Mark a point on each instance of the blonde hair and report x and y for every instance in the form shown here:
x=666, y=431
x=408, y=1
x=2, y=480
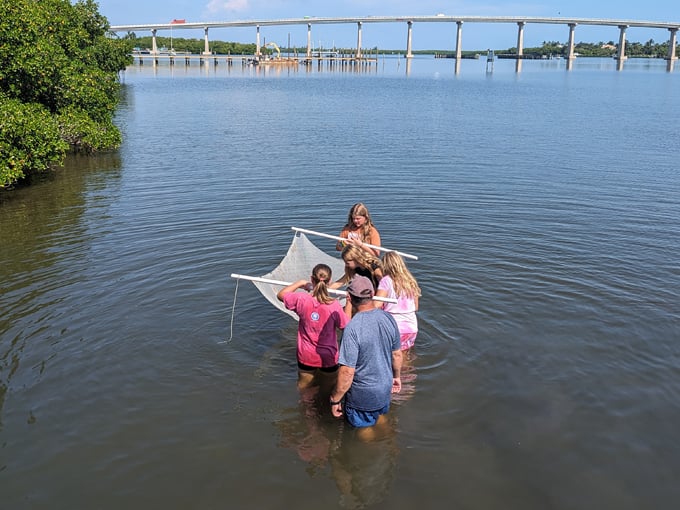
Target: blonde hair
x=364, y=259
x=404, y=282
x=360, y=209
x=321, y=278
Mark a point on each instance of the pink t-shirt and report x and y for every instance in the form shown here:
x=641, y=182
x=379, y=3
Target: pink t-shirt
x=317, y=341
x=404, y=312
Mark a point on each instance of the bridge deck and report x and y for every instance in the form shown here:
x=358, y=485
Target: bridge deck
x=397, y=19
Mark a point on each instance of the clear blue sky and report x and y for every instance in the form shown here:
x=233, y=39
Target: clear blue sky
x=476, y=36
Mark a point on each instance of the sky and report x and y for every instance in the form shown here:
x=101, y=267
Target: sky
x=475, y=36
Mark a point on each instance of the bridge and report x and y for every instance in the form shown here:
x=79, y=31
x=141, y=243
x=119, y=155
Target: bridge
x=521, y=22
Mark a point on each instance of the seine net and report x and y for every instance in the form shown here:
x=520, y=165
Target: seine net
x=298, y=263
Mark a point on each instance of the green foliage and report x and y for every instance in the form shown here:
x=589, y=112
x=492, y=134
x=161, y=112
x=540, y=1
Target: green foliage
x=83, y=134
x=61, y=57
x=30, y=139
x=601, y=49
x=194, y=45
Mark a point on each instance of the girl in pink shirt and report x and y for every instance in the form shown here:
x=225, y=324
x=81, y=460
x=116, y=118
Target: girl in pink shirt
x=398, y=283
x=320, y=317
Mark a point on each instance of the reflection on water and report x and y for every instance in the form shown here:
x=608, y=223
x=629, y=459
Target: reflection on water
x=408, y=378
x=308, y=431
x=47, y=226
x=362, y=469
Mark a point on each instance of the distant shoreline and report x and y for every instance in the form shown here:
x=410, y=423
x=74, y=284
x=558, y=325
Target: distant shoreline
x=634, y=49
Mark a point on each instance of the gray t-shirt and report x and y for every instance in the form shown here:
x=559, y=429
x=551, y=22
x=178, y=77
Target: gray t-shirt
x=367, y=345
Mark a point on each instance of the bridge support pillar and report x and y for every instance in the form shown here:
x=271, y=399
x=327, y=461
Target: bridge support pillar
x=621, y=56
x=570, y=48
x=459, y=47
x=520, y=46
x=358, y=39
x=409, y=54
x=309, y=40
x=154, y=45
x=257, y=43
x=672, y=41
x=206, y=43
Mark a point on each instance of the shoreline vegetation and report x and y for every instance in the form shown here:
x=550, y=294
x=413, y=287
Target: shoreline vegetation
x=648, y=49
x=59, y=84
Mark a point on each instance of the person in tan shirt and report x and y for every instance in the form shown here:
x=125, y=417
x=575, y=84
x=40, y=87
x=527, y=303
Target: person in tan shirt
x=359, y=230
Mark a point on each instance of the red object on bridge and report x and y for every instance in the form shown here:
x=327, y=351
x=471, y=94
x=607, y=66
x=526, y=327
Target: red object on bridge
x=176, y=21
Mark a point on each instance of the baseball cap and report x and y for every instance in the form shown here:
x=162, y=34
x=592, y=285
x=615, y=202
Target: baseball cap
x=361, y=287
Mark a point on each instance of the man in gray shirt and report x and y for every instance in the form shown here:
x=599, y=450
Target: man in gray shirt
x=370, y=360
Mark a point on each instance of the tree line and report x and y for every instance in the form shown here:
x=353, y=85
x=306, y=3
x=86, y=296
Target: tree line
x=193, y=45
x=59, y=83
x=649, y=49
x=548, y=48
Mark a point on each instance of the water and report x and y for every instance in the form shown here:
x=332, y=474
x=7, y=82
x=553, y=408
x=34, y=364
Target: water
x=544, y=210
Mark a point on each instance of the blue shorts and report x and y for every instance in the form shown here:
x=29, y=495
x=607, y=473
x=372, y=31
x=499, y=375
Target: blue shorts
x=358, y=418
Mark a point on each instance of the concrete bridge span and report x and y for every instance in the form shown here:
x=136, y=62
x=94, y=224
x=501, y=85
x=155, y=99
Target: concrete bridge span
x=459, y=21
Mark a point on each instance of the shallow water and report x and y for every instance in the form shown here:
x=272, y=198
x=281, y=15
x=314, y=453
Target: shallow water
x=544, y=211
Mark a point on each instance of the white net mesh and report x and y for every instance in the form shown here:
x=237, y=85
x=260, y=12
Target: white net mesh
x=298, y=263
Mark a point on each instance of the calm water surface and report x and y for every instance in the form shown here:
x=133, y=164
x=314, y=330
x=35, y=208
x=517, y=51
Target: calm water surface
x=544, y=208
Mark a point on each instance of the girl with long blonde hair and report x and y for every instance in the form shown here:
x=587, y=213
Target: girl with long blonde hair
x=398, y=283
x=361, y=262
x=359, y=230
